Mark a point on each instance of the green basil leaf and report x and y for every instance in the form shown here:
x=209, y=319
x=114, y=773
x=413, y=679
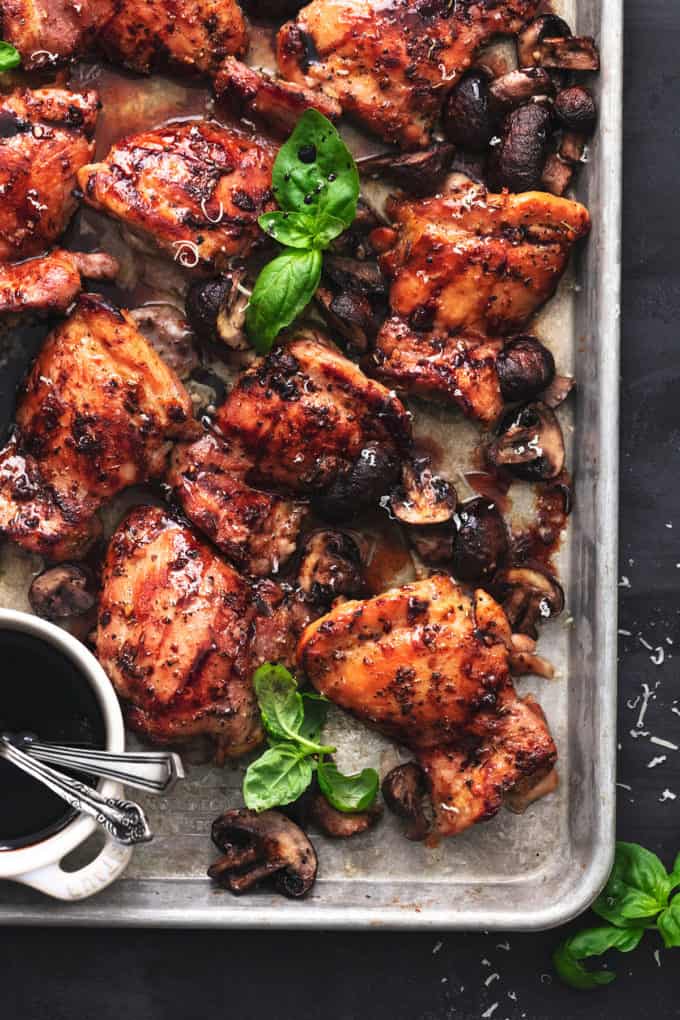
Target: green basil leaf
x=294, y=229
x=280, y=702
x=9, y=57
x=637, y=889
x=674, y=877
x=347, y=793
x=283, y=289
x=316, y=710
x=592, y=942
x=279, y=776
x=668, y=924
x=315, y=172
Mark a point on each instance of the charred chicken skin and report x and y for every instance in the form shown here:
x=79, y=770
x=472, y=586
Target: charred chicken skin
x=304, y=414
x=50, y=283
x=99, y=412
x=390, y=64
x=195, y=190
x=196, y=34
x=173, y=635
x=46, y=139
x=429, y=666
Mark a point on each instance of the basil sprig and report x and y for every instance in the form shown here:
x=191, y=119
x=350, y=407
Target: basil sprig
x=638, y=897
x=294, y=723
x=316, y=185
x=9, y=57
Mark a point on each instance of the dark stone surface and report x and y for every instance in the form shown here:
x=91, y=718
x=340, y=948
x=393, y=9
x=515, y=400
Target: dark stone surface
x=144, y=974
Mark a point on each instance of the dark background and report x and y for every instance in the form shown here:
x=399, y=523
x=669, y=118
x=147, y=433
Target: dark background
x=184, y=974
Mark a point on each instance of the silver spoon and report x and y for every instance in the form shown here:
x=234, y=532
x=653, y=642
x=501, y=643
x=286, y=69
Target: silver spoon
x=123, y=819
x=153, y=771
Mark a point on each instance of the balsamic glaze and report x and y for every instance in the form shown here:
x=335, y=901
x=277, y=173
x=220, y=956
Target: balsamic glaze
x=43, y=692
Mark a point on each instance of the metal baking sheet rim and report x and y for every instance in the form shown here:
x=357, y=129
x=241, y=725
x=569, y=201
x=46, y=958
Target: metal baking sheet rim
x=196, y=904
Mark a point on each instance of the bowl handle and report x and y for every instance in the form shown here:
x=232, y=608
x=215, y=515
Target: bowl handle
x=110, y=862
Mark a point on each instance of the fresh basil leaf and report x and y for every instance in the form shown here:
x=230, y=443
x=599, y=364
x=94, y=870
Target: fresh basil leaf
x=9, y=57
x=314, y=171
x=637, y=889
x=592, y=942
x=347, y=793
x=283, y=289
x=316, y=710
x=674, y=877
x=279, y=776
x=280, y=702
x=294, y=229
x=668, y=924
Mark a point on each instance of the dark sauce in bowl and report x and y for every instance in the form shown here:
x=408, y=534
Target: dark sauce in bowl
x=42, y=691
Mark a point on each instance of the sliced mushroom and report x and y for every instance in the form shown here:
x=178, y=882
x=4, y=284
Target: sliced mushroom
x=529, y=39
x=330, y=565
x=371, y=476
x=574, y=53
x=518, y=161
x=434, y=544
x=169, y=334
x=572, y=147
x=525, y=367
x=355, y=275
x=524, y=661
x=406, y=795
x=62, y=591
x=418, y=173
x=529, y=443
x=469, y=118
x=216, y=309
x=423, y=497
x=558, y=390
x=350, y=315
x=519, y=86
x=482, y=541
x=341, y=824
x=557, y=174
x=259, y=846
x=575, y=109
x=529, y=596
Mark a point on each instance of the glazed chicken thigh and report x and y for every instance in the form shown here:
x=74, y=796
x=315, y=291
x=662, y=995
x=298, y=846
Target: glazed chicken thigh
x=98, y=413
x=193, y=189
x=173, y=633
x=50, y=283
x=389, y=64
x=48, y=32
x=429, y=666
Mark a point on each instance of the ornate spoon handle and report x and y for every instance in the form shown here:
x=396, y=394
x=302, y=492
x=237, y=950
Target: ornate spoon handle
x=124, y=820
x=153, y=771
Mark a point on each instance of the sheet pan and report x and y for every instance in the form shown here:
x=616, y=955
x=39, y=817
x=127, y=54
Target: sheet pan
x=529, y=872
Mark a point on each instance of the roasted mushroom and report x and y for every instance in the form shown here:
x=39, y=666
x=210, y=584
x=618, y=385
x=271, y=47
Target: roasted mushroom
x=62, y=591
x=469, y=118
x=557, y=174
x=330, y=565
x=418, y=173
x=575, y=109
x=355, y=275
x=341, y=824
x=519, y=86
x=525, y=368
x=529, y=444
x=259, y=846
x=482, y=541
x=530, y=39
x=370, y=477
x=529, y=596
x=518, y=161
x=524, y=661
x=406, y=795
x=216, y=309
x=572, y=53
x=558, y=390
x=425, y=503
x=169, y=334
x=349, y=315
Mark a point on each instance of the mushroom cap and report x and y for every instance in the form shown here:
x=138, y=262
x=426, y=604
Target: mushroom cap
x=406, y=793
x=62, y=591
x=529, y=444
x=257, y=846
x=529, y=595
x=482, y=541
x=423, y=498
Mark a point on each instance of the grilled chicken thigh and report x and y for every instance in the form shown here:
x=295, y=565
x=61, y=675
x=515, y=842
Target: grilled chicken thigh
x=429, y=666
x=389, y=63
x=173, y=635
x=99, y=412
x=48, y=32
x=255, y=529
x=50, y=283
x=45, y=139
x=194, y=189
x=305, y=414
x=473, y=260
x=196, y=34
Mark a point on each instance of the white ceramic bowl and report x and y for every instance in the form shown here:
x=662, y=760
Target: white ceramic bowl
x=38, y=865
